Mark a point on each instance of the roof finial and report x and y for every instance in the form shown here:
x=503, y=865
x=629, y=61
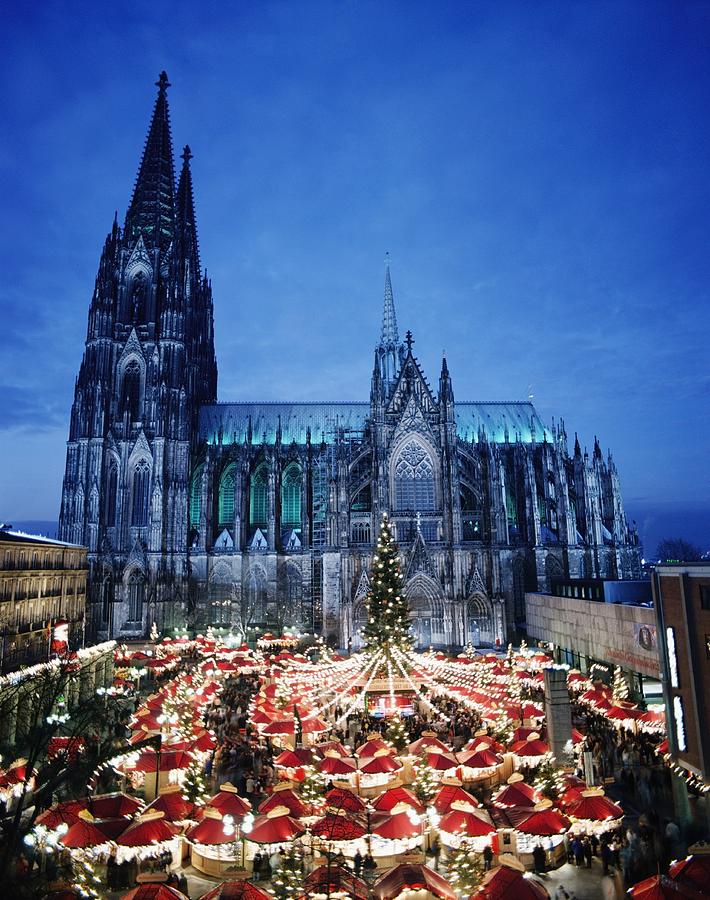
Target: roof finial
x=186, y=154
x=162, y=81
x=409, y=340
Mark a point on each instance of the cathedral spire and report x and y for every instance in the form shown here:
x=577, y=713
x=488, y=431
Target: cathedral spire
x=186, y=208
x=389, y=350
x=152, y=209
x=389, y=336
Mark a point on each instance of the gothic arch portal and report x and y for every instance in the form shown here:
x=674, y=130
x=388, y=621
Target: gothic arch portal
x=426, y=610
x=480, y=623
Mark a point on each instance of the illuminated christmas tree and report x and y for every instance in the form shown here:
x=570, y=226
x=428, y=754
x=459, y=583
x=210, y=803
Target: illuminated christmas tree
x=620, y=686
x=311, y=788
x=397, y=734
x=154, y=635
x=465, y=870
x=388, y=627
x=425, y=784
x=287, y=881
x=549, y=781
x=194, y=786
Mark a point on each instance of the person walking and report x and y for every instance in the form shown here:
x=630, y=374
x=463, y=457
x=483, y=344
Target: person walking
x=487, y=857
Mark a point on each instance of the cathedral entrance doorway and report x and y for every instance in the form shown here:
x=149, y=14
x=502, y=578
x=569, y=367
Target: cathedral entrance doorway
x=480, y=625
x=426, y=611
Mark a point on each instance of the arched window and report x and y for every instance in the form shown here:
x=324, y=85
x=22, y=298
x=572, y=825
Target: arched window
x=226, y=495
x=294, y=596
x=362, y=501
x=257, y=596
x=196, y=497
x=361, y=533
x=111, y=491
x=414, y=480
x=136, y=590
x=259, y=498
x=141, y=494
x=131, y=390
x=291, y=497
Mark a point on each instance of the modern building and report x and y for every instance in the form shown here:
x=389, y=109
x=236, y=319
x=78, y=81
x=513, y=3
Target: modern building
x=594, y=634
x=266, y=514
x=42, y=598
x=681, y=596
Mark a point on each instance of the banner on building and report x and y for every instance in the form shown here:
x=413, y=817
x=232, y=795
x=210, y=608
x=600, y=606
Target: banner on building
x=645, y=636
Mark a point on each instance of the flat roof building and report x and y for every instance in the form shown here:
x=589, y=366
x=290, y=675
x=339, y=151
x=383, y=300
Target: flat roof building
x=682, y=605
x=42, y=598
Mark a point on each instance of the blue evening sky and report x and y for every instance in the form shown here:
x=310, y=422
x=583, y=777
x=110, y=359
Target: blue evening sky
x=537, y=171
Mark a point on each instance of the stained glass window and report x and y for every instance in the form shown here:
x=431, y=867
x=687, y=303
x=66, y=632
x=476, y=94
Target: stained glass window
x=141, y=493
x=259, y=497
x=131, y=390
x=196, y=497
x=136, y=587
x=414, y=480
x=111, y=489
x=226, y=495
x=291, y=497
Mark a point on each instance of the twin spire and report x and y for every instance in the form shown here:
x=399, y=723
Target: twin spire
x=155, y=210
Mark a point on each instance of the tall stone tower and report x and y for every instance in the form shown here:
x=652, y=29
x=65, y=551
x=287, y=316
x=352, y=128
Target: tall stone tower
x=148, y=365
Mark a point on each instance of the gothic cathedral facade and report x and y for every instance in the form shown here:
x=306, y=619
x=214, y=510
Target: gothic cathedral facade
x=265, y=515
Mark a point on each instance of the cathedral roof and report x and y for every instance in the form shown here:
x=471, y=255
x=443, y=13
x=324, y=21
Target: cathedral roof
x=236, y=420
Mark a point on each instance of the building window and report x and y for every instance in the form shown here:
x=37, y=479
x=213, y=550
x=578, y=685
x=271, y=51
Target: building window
x=226, y=496
x=111, y=490
x=679, y=716
x=414, y=480
x=672, y=658
x=196, y=497
x=705, y=596
x=136, y=589
x=259, y=498
x=131, y=390
x=141, y=494
x=291, y=497
x=361, y=533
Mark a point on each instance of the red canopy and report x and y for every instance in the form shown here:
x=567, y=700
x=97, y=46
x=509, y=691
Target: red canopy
x=150, y=829
x=236, y=890
x=314, y=725
x=210, y=830
x=173, y=805
x=287, y=798
x=427, y=743
x=331, y=747
x=294, y=759
x=280, y=726
x=149, y=760
x=395, y=826
x=530, y=748
x=341, y=798
x=389, y=799
x=658, y=887
x=503, y=883
x=516, y=794
x=468, y=824
x=596, y=808
x=110, y=806
x=545, y=822
x=334, y=827
x=440, y=761
x=622, y=712
x=82, y=835
x=693, y=870
x=369, y=748
x=154, y=892
x=379, y=765
x=409, y=877
x=446, y=795
x=338, y=765
x=479, y=759
x=228, y=802
x=275, y=829
x=329, y=879
x=66, y=813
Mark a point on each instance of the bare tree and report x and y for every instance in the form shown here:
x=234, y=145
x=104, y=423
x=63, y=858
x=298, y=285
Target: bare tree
x=673, y=550
x=243, y=608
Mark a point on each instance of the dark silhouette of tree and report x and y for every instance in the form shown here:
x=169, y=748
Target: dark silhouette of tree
x=672, y=550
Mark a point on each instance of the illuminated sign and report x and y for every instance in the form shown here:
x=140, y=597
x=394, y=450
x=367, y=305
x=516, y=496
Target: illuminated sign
x=679, y=723
x=672, y=658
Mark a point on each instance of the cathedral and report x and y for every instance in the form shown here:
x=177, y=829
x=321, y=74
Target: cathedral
x=255, y=516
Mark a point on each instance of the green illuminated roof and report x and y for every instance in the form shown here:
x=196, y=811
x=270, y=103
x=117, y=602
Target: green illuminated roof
x=326, y=419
